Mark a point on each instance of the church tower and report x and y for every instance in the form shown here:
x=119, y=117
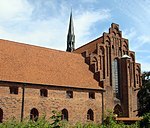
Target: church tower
x=70, y=36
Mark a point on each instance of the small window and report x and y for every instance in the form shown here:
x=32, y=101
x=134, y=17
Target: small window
x=34, y=114
x=43, y=92
x=91, y=95
x=90, y=115
x=69, y=94
x=64, y=115
x=1, y=115
x=13, y=90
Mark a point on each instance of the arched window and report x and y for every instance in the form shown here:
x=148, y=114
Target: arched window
x=64, y=114
x=90, y=115
x=118, y=110
x=125, y=48
x=137, y=79
x=138, y=76
x=108, y=54
x=115, y=78
x=43, y=92
x=1, y=115
x=132, y=70
x=102, y=61
x=34, y=114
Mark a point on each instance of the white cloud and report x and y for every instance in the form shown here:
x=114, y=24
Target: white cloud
x=143, y=51
x=144, y=39
x=86, y=21
x=50, y=32
x=145, y=66
x=45, y=22
x=129, y=33
x=12, y=9
x=141, y=40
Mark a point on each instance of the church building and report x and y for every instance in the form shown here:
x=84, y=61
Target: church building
x=81, y=83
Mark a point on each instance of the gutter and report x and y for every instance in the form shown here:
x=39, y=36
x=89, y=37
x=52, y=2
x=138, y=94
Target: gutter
x=52, y=85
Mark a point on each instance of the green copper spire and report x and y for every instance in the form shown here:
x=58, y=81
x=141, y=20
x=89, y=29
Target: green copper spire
x=70, y=36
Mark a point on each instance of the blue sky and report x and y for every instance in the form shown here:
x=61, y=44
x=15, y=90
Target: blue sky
x=45, y=22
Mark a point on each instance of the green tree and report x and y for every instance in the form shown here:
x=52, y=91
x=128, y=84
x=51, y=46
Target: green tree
x=56, y=118
x=145, y=122
x=144, y=95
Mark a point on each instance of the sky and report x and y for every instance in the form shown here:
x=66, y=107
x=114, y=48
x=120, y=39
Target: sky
x=45, y=22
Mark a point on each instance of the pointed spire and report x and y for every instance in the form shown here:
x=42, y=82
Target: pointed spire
x=71, y=27
x=70, y=36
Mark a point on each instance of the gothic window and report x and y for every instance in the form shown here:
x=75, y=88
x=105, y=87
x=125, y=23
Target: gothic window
x=34, y=114
x=1, y=115
x=108, y=56
x=64, y=114
x=125, y=49
x=91, y=95
x=113, y=47
x=95, y=61
x=90, y=115
x=102, y=61
x=13, y=90
x=137, y=79
x=124, y=52
x=115, y=78
x=69, y=94
x=132, y=71
x=119, y=52
x=138, y=76
x=43, y=92
x=118, y=110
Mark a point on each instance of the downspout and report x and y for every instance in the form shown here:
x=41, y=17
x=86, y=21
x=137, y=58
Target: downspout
x=22, y=106
x=102, y=107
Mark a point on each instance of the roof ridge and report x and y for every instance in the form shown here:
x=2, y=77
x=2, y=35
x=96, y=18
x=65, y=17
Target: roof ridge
x=36, y=46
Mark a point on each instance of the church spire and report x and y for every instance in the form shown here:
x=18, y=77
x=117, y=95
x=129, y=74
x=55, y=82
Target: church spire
x=70, y=36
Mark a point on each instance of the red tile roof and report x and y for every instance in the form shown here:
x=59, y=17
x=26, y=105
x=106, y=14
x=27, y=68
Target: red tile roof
x=32, y=64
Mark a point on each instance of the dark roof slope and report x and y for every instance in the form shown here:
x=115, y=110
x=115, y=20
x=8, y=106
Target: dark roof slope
x=32, y=64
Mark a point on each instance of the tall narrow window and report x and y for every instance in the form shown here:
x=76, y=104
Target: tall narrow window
x=90, y=115
x=64, y=114
x=115, y=78
x=107, y=55
x=137, y=79
x=102, y=61
x=34, y=114
x=132, y=71
x=13, y=90
x=1, y=115
x=43, y=92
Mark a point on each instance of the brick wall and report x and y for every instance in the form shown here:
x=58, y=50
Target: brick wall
x=100, y=55
x=77, y=106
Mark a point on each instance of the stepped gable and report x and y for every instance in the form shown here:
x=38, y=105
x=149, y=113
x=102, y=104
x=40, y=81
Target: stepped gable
x=32, y=64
